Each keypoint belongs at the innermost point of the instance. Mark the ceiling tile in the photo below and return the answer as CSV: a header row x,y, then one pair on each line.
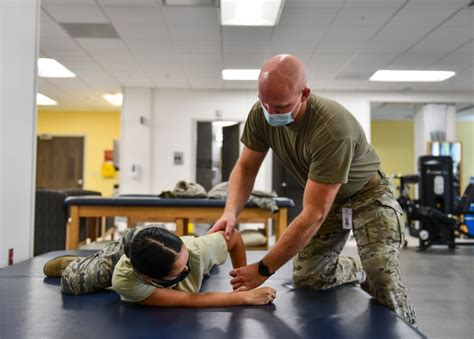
x,y
129,3
247,34
313,4
374,4
191,15
463,56
140,15
52,30
169,79
309,17
148,31
242,46
309,34
235,60
206,84
192,46
118,58
364,17
103,45
49,45
71,56
68,2
436,4
76,14
195,32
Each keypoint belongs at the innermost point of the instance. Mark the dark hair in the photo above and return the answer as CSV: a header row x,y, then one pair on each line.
x,y
153,250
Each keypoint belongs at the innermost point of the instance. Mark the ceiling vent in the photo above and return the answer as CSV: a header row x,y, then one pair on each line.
x,y
91,31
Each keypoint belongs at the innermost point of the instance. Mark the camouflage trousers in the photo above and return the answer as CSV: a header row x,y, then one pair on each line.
x,y
94,273
378,228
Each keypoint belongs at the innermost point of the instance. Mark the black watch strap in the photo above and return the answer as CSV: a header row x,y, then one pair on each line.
x,y
263,269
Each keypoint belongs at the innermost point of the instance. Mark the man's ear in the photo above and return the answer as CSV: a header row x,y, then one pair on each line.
x,y
306,93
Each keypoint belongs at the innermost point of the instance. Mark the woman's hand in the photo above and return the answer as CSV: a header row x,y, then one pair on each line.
x,y
260,296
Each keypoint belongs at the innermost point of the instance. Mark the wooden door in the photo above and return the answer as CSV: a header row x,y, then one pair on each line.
x,y
59,162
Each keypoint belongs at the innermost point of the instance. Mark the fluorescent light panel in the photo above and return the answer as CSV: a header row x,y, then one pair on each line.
x,y
250,12
114,99
43,100
411,76
50,68
240,74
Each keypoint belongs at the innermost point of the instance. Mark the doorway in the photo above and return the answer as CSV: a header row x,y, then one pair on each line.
x,y
217,151
60,162
285,185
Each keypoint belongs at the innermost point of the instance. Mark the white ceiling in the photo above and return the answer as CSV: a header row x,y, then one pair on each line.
x,y
342,43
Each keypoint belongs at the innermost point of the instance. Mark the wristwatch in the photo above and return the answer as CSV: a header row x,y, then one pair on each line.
x,y
263,269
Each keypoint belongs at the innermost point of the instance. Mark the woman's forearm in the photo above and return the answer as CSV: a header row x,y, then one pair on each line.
x,y
205,299
236,248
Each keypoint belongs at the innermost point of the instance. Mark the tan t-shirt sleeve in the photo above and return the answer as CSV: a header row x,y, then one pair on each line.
x,y
129,284
331,162
204,252
253,134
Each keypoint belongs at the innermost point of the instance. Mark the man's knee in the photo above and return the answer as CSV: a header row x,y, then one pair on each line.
x,y
314,280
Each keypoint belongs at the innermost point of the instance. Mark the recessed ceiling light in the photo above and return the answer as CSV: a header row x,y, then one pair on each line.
x,y
240,74
114,99
250,12
411,76
43,100
50,68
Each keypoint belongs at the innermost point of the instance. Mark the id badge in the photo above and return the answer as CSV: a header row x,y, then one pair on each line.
x,y
347,218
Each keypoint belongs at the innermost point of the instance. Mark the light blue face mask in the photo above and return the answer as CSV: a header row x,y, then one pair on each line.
x,y
280,119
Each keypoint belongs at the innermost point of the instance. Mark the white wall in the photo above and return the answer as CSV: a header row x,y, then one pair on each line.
x,y
136,141
175,113
174,119
18,54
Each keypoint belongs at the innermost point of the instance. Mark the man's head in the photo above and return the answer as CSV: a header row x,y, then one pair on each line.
x,y
282,85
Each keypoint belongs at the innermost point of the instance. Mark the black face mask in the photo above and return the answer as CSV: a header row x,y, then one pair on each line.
x,y
167,283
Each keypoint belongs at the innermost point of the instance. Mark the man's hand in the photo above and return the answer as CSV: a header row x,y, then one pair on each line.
x,y
225,223
247,276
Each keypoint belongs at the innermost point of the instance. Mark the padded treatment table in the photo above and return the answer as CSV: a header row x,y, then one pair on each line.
x,y
32,306
180,211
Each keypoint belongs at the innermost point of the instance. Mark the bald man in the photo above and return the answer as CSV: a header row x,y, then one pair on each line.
x,y
326,150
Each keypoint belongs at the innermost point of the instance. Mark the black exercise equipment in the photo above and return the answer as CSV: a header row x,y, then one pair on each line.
x,y
440,218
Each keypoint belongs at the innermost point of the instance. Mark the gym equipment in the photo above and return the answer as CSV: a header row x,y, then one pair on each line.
x,y
33,307
440,219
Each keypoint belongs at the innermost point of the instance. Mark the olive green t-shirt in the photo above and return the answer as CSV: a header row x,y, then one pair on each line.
x,y
328,145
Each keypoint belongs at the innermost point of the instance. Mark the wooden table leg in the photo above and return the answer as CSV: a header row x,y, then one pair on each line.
x,y
92,229
103,228
185,226
281,222
180,227
72,230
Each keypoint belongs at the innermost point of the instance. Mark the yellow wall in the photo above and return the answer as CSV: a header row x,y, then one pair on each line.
x,y
99,130
394,142
465,134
